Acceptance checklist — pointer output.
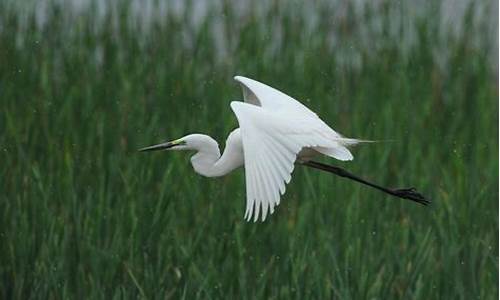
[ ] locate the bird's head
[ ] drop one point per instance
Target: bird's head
(188, 142)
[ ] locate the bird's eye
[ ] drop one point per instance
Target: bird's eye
(179, 143)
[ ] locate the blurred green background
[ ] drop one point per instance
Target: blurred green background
(83, 85)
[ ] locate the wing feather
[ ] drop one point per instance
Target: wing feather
(279, 171)
(274, 129)
(271, 143)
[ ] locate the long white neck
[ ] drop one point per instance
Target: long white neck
(208, 161)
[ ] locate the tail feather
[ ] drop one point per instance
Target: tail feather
(340, 153)
(351, 142)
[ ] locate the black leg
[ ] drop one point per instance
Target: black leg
(409, 193)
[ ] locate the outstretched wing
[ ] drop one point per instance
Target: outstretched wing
(271, 142)
(259, 94)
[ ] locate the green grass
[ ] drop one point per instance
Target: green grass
(83, 215)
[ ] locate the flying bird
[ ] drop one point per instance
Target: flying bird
(276, 133)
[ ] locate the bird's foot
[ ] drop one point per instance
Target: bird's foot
(411, 194)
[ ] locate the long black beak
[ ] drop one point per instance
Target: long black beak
(162, 146)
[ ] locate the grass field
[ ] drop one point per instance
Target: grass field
(83, 215)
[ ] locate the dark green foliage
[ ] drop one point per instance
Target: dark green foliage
(83, 215)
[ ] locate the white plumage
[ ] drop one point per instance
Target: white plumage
(275, 132)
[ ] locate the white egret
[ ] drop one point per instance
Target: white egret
(276, 132)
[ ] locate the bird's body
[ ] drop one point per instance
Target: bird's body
(276, 131)
(209, 162)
